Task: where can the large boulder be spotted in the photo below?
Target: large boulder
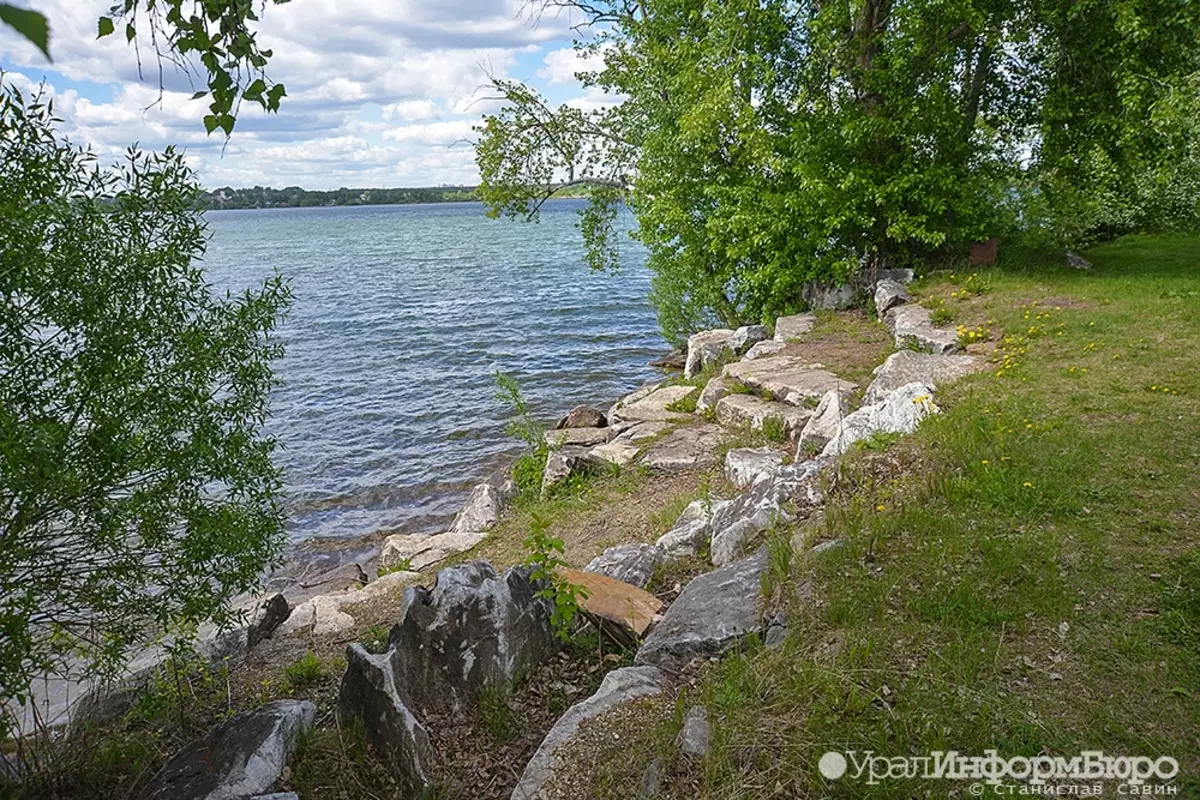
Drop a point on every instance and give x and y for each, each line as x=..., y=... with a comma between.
x=481, y=512
x=751, y=411
x=907, y=366
x=562, y=464
x=325, y=614
x=631, y=563
x=417, y=551
x=630, y=399
x=746, y=466
x=691, y=532
x=582, y=417
x=369, y=693
x=690, y=448
x=738, y=524
x=713, y=614
x=576, y=437
x=474, y=629
x=763, y=349
x=747, y=336
x=888, y=295
x=794, y=327
x=619, y=687
x=823, y=425
x=912, y=326
x=241, y=757
x=716, y=388
x=705, y=348
x=900, y=411
x=828, y=295
x=788, y=378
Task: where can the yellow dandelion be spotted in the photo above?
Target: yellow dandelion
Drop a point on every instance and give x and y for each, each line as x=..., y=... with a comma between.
x=1028, y=485
x=881, y=507
x=985, y=462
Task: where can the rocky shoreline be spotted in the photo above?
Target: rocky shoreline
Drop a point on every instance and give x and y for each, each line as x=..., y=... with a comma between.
x=473, y=628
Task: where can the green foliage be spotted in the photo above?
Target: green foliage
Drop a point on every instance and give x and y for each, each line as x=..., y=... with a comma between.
x=137, y=490
x=29, y=24
x=220, y=36
x=528, y=468
x=685, y=404
x=295, y=197
x=763, y=144
x=544, y=557
x=774, y=429
x=496, y=713
x=401, y=565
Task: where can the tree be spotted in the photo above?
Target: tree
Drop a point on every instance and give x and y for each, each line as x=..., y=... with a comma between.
x=765, y=143
x=137, y=491
x=219, y=34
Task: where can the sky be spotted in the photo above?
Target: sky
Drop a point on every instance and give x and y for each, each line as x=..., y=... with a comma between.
x=381, y=93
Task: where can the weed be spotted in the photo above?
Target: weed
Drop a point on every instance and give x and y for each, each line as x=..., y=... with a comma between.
x=493, y=703
x=401, y=565
x=545, y=559
x=774, y=429
x=304, y=671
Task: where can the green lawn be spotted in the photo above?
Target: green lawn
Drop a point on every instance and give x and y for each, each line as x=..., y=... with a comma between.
x=1022, y=574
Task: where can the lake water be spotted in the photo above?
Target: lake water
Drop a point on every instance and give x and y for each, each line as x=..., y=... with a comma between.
x=387, y=413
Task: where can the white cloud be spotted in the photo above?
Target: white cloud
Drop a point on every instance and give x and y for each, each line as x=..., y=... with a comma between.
x=379, y=93
x=562, y=65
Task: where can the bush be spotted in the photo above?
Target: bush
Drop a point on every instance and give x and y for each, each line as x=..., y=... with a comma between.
x=137, y=491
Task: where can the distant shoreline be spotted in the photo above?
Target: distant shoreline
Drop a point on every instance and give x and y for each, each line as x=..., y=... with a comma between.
x=260, y=197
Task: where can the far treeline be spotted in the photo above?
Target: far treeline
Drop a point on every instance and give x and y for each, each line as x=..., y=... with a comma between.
x=295, y=197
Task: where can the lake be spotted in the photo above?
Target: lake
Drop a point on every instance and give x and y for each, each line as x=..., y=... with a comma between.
x=387, y=413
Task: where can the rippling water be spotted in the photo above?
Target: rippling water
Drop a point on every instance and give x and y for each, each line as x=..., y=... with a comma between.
x=387, y=413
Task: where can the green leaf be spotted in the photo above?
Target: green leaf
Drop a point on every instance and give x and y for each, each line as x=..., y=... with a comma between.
x=226, y=123
x=105, y=26
x=130, y=33
x=254, y=90
x=30, y=24
x=211, y=122
x=198, y=95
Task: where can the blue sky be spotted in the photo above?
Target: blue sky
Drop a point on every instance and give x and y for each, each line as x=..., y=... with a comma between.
x=381, y=92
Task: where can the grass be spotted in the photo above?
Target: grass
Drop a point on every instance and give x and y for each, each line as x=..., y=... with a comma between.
x=304, y=671
x=1022, y=574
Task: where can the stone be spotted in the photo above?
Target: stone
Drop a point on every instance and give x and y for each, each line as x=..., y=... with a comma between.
x=888, y=295
x=562, y=464
x=582, y=417
x=576, y=437
x=319, y=616
x=422, y=551
x=776, y=630
x=738, y=524
x=794, y=327
x=912, y=326
x=829, y=296
x=690, y=533
x=652, y=779
x=694, y=736
x=346, y=577
x=705, y=348
x=370, y=693
x=693, y=447
x=899, y=411
x=747, y=336
x=713, y=614
x=788, y=378
x=827, y=546
x=898, y=275
x=984, y=254
x=481, y=512
x=624, y=447
x=277, y=796
x=1077, y=261
x=672, y=361
x=631, y=563
x=241, y=757
x=716, y=388
x=616, y=608
x=823, y=425
x=653, y=407
x=619, y=687
x=474, y=629
x=746, y=466
x=751, y=411
x=274, y=612
x=764, y=349
x=631, y=398
x=906, y=366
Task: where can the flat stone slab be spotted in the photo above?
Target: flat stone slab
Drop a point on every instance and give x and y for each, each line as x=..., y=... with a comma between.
x=653, y=406
x=619, y=686
x=425, y=550
x=749, y=410
x=764, y=349
x=912, y=326
x=325, y=614
x=746, y=466
x=714, y=613
x=614, y=601
x=578, y=437
x=788, y=378
x=241, y=757
x=693, y=447
x=795, y=326
x=622, y=448
x=907, y=366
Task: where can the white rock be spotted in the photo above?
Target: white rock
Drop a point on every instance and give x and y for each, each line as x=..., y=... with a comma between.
x=576, y=437
x=713, y=391
x=481, y=512
x=795, y=326
x=653, y=407
x=791, y=379
x=692, y=447
x=888, y=295
x=423, y=550
x=900, y=411
x=764, y=349
x=906, y=366
x=751, y=411
x=912, y=325
x=704, y=348
x=823, y=425
x=692, y=530
x=746, y=466
x=747, y=336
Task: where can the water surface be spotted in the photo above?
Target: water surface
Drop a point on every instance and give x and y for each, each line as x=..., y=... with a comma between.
x=387, y=413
